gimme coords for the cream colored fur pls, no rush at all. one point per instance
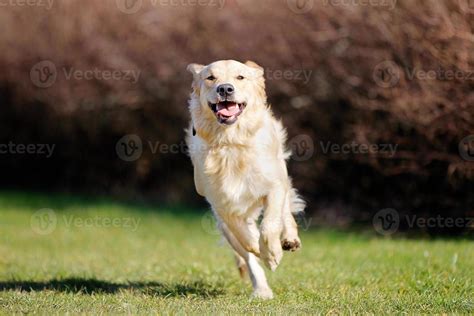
(241, 169)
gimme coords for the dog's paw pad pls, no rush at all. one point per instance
(288, 245)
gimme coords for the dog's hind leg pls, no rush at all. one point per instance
(289, 237)
(241, 265)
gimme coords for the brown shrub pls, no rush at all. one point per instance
(350, 51)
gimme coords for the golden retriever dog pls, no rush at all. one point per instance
(237, 148)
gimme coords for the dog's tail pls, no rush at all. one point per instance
(297, 204)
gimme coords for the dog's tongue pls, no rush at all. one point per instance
(227, 108)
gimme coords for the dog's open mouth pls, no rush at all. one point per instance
(227, 112)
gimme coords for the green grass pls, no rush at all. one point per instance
(173, 263)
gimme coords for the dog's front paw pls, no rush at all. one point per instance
(263, 294)
(270, 251)
(291, 244)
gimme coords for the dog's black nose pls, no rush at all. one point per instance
(225, 90)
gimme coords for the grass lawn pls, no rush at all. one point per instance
(100, 256)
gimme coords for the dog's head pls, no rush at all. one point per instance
(226, 89)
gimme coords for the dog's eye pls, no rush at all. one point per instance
(240, 78)
(211, 78)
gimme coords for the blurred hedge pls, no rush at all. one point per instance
(352, 52)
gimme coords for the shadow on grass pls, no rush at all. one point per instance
(93, 286)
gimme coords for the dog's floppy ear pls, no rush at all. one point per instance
(195, 69)
(259, 70)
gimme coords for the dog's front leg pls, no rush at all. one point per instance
(245, 231)
(271, 227)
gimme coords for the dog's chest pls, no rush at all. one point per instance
(235, 177)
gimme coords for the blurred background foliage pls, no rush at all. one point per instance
(348, 97)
